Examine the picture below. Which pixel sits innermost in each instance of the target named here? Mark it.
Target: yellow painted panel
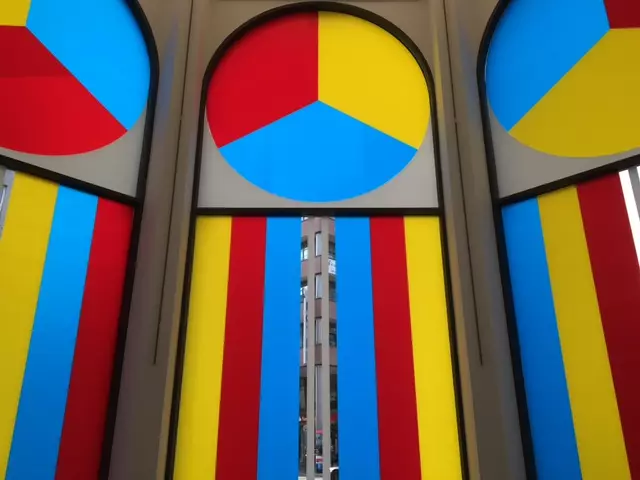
(435, 396)
(594, 408)
(14, 12)
(23, 250)
(593, 110)
(197, 443)
(367, 73)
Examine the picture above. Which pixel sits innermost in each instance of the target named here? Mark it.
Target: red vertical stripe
(397, 414)
(617, 278)
(83, 430)
(240, 397)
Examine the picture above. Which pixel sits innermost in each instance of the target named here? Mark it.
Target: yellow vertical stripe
(596, 420)
(202, 372)
(23, 250)
(435, 396)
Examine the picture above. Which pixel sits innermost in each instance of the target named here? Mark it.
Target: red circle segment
(270, 72)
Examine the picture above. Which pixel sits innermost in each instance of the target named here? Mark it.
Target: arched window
(561, 109)
(77, 90)
(317, 165)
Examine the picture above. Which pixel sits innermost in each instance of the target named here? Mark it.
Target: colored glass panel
(337, 89)
(101, 45)
(23, 251)
(370, 75)
(280, 375)
(436, 402)
(397, 415)
(197, 443)
(14, 13)
(38, 428)
(76, 73)
(264, 77)
(534, 45)
(240, 398)
(318, 134)
(44, 109)
(88, 397)
(549, 408)
(599, 99)
(357, 383)
(591, 391)
(616, 276)
(623, 13)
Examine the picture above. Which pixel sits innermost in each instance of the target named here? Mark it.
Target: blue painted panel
(352, 158)
(534, 45)
(101, 44)
(36, 437)
(554, 441)
(280, 379)
(357, 389)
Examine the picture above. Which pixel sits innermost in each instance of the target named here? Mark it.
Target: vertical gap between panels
(173, 191)
(462, 190)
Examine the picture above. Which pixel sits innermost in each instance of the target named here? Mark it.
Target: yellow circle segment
(14, 13)
(367, 73)
(593, 110)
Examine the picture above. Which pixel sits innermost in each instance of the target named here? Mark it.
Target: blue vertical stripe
(554, 441)
(280, 377)
(357, 391)
(36, 438)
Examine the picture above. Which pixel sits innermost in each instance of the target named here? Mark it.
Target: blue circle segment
(348, 158)
(534, 45)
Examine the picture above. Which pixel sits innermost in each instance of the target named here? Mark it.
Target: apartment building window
(318, 244)
(332, 290)
(318, 285)
(303, 290)
(332, 249)
(304, 249)
(333, 334)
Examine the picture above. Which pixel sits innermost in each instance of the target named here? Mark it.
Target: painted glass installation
(63, 254)
(316, 344)
(334, 89)
(74, 76)
(562, 103)
(75, 82)
(573, 259)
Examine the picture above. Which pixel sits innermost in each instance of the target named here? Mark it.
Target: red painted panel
(240, 396)
(623, 13)
(43, 109)
(397, 410)
(270, 72)
(22, 55)
(617, 278)
(88, 398)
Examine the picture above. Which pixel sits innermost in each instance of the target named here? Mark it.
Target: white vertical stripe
(632, 209)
